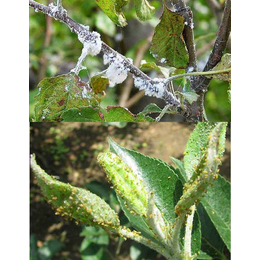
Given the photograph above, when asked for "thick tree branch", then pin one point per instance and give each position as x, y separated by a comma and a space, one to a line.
222, 38
218, 48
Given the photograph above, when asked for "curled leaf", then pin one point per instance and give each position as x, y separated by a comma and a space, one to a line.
205, 172
224, 64
113, 9
144, 10
127, 185
99, 83
75, 203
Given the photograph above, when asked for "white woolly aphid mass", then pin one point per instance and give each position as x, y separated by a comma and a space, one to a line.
91, 46
117, 73
155, 87
117, 70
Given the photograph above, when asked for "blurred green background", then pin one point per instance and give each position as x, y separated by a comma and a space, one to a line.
54, 50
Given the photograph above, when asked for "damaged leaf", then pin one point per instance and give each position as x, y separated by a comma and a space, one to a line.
167, 44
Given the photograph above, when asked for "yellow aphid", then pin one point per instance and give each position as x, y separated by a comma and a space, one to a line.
169, 177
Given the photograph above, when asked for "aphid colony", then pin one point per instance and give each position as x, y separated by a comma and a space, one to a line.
133, 192
204, 174
75, 203
118, 68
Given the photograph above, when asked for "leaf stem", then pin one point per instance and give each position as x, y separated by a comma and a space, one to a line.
126, 233
188, 231
199, 73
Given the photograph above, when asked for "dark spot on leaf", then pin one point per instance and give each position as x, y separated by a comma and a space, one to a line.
61, 102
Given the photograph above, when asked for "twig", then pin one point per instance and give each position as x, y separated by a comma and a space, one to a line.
129, 82
198, 73
147, 242
131, 101
205, 47
218, 49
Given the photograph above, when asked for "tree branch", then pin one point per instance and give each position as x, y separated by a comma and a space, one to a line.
129, 82
218, 48
152, 87
80, 29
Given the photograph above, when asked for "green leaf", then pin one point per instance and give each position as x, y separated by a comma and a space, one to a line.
113, 9
82, 114
58, 94
190, 96
110, 114
104, 24
120, 114
179, 170
95, 235
138, 251
75, 203
224, 64
212, 245
139, 222
49, 249
99, 83
144, 10
166, 71
167, 43
156, 176
151, 108
217, 205
126, 184
197, 143
94, 244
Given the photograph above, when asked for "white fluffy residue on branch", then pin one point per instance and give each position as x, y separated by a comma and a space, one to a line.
91, 46
155, 87
117, 69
